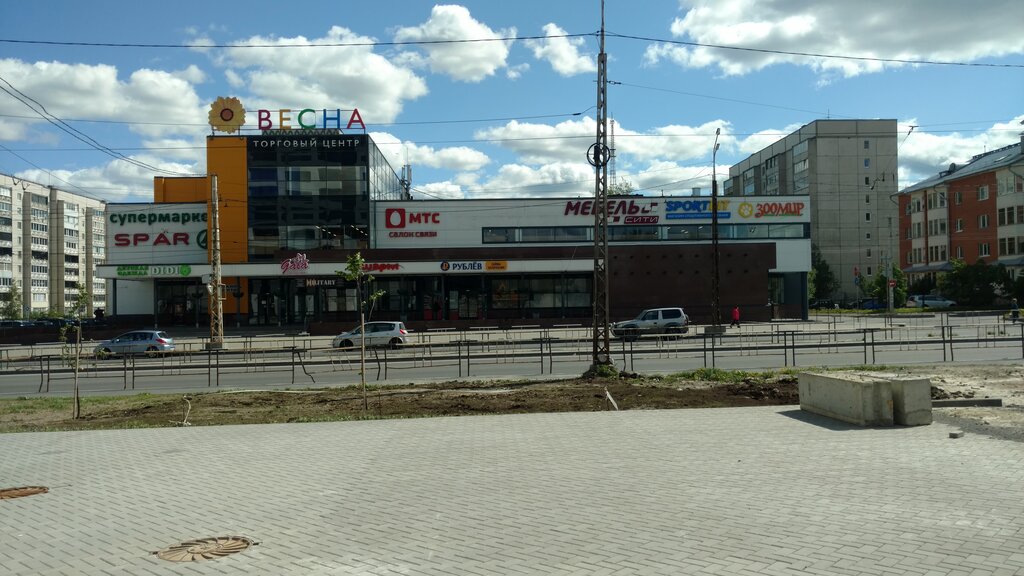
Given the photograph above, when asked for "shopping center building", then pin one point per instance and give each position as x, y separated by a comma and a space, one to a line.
295, 204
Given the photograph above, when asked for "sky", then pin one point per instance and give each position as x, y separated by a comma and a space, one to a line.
488, 99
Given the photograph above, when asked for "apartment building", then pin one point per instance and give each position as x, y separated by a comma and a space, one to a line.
971, 212
848, 169
51, 241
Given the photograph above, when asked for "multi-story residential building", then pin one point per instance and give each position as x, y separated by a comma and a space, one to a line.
848, 169
47, 245
971, 212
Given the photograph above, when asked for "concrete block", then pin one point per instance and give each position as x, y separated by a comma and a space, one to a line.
912, 401
857, 399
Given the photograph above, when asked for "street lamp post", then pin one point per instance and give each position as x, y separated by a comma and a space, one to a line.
716, 321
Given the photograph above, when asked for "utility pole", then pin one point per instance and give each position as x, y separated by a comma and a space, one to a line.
215, 288
598, 156
716, 317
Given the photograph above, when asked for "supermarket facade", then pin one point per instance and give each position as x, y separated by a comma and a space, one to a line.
293, 205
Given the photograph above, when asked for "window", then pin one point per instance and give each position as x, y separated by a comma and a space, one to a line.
867, 162
867, 216
867, 180
958, 198
959, 225
867, 235
491, 235
982, 193
983, 249
869, 270
960, 252
867, 198
983, 221
869, 252
867, 144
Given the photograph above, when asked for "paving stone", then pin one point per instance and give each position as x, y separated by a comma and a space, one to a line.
722, 491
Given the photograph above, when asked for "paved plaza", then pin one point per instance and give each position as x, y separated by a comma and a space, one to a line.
704, 491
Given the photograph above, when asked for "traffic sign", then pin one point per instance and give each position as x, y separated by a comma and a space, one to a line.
892, 283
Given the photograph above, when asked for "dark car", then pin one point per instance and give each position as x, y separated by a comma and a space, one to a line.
871, 304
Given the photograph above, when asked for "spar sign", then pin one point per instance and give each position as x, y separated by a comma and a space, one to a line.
156, 233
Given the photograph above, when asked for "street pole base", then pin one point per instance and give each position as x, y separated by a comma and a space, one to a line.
214, 346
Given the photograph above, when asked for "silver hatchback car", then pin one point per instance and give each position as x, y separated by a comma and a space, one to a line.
653, 321
136, 342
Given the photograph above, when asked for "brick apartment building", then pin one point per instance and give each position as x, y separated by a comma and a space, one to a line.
971, 212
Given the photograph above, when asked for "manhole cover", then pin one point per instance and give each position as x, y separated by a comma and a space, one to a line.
6, 493
205, 548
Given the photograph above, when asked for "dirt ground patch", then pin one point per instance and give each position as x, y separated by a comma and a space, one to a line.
411, 401
696, 389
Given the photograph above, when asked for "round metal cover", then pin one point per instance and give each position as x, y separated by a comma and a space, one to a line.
6, 493
205, 548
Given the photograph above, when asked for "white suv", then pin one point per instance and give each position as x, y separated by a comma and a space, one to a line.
653, 321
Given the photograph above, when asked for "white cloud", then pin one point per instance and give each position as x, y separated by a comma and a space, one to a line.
439, 190
82, 91
924, 154
516, 72
192, 75
562, 53
115, 181
542, 143
463, 61
457, 158
330, 77
234, 79
908, 29
519, 181
569, 141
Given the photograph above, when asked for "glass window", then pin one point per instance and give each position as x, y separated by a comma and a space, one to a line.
499, 235
787, 230
632, 233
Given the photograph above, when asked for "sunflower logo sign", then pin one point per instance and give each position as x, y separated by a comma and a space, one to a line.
227, 114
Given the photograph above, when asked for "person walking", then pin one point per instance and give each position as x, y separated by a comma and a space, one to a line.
735, 317
1014, 310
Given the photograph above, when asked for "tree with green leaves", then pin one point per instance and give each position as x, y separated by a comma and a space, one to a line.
879, 287
355, 272
825, 282
621, 188
975, 284
11, 306
71, 339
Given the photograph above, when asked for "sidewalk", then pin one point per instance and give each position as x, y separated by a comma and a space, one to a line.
703, 491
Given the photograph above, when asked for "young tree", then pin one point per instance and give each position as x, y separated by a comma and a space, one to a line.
825, 283
354, 272
11, 306
71, 340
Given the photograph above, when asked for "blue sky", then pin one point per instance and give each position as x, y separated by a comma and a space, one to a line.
504, 118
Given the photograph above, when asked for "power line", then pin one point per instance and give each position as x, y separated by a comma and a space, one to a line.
817, 55
292, 45
511, 39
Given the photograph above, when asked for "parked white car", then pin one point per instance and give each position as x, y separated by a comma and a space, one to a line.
391, 334
928, 301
